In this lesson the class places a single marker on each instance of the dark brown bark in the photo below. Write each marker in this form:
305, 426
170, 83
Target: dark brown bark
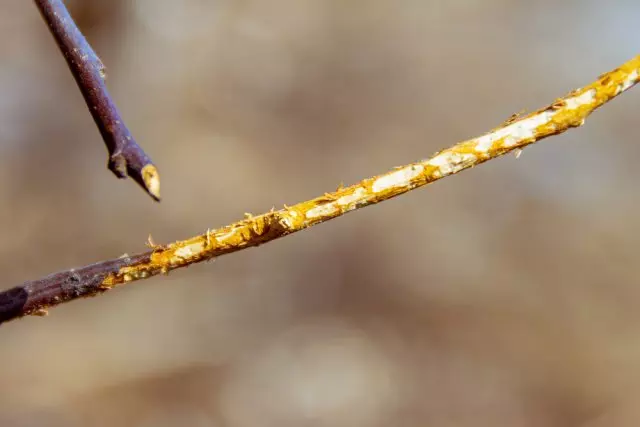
126, 157
33, 297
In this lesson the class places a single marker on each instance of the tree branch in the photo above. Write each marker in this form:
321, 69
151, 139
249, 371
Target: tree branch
36, 296
125, 155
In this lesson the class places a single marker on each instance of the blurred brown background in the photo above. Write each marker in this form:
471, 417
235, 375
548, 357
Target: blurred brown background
505, 296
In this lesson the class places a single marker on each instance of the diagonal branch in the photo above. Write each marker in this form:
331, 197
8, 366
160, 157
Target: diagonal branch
36, 296
125, 155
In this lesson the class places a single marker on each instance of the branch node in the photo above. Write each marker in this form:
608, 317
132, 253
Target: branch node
118, 165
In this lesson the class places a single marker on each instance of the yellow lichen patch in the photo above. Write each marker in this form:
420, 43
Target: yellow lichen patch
515, 134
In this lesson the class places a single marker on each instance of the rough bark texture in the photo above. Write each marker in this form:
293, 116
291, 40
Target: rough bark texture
31, 297
571, 111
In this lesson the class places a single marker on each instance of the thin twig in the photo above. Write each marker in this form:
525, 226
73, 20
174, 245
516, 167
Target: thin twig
35, 297
125, 155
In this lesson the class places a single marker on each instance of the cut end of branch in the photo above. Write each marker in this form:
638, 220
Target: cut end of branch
151, 181
146, 176
126, 157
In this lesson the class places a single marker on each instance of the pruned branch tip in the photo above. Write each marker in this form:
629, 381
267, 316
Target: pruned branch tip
126, 157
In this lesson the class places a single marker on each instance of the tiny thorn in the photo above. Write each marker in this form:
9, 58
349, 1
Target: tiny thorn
513, 118
42, 312
150, 243
151, 181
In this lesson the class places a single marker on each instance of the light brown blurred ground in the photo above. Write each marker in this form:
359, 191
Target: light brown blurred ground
505, 296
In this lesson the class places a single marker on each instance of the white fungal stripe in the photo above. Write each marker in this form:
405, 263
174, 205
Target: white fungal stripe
580, 100
399, 178
514, 133
483, 144
509, 141
347, 200
189, 250
322, 210
520, 130
451, 162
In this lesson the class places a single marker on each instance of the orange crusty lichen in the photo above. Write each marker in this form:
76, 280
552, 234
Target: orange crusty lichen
515, 134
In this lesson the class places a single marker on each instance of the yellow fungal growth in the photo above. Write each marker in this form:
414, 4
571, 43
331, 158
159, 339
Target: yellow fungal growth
515, 134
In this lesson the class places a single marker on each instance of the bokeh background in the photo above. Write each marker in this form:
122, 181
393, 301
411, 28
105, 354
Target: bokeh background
504, 296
